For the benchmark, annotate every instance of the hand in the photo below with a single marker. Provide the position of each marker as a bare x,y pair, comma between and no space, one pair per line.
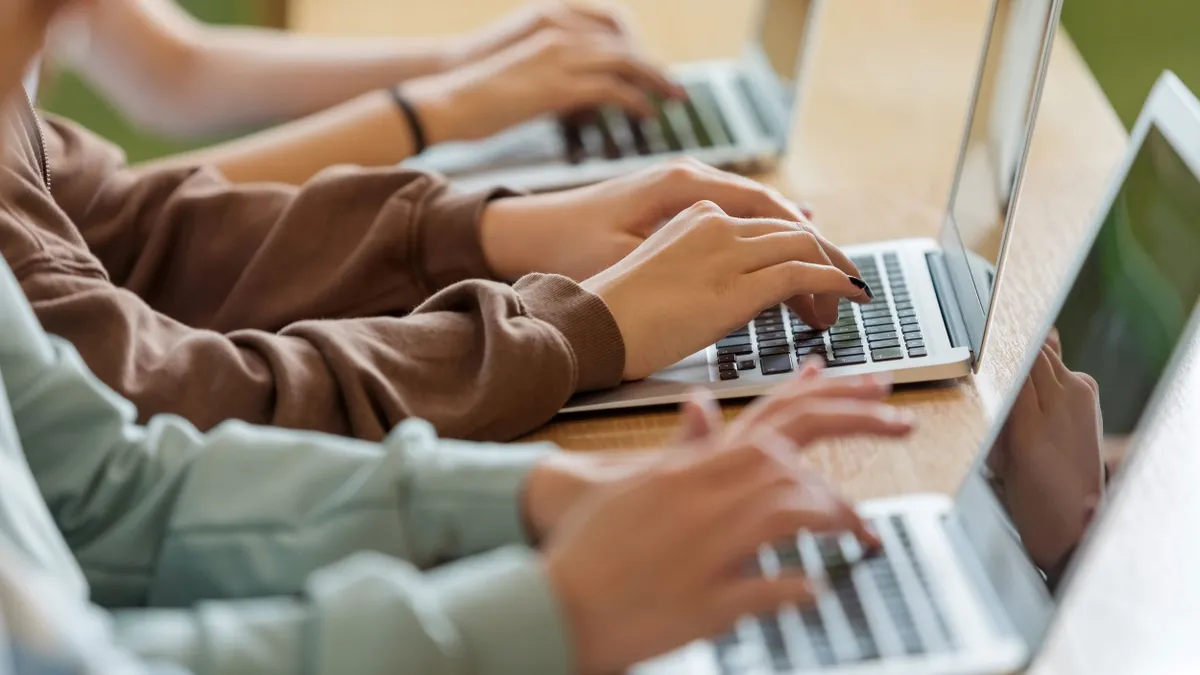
808,408
579,233
1049,466
552,73
533,19
657,560
705,273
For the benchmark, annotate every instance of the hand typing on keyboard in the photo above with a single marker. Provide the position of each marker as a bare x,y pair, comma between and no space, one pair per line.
706,272
580,233
648,554
552,71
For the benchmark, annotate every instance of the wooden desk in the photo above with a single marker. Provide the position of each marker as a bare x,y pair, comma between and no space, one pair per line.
878,136
877,140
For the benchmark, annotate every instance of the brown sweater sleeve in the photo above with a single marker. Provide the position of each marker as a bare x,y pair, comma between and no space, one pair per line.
478,359
350,243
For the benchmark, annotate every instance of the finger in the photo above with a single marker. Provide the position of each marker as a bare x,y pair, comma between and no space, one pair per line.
839,418
776,513
614,57
810,368
700,417
840,259
786,280
743,197
610,18
753,596
753,228
1055,341
1090,382
1050,369
789,242
1042,378
811,385
1027,406
593,91
825,305
804,308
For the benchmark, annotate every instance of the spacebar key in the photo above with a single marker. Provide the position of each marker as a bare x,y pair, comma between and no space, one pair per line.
776,364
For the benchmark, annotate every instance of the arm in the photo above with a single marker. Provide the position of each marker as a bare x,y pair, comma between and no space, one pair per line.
368,131
479,359
172,73
163,516
213,255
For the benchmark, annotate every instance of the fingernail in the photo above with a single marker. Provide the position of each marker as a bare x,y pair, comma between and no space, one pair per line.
807,213
862,285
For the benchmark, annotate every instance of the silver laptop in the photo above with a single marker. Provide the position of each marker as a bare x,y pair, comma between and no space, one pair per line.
737,117
971,585
932,297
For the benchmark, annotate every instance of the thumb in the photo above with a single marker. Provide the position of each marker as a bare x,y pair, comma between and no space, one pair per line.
700,417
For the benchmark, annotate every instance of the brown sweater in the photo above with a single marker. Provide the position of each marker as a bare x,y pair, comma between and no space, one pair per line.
342,306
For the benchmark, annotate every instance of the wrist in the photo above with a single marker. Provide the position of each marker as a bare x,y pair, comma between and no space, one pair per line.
553,486
504,238
433,101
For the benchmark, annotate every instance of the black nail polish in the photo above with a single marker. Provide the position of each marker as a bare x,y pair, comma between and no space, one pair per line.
863,285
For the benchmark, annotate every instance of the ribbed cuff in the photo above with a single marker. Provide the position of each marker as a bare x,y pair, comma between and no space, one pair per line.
506,613
451,248
585,322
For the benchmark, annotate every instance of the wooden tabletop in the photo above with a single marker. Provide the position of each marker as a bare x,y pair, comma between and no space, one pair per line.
878,133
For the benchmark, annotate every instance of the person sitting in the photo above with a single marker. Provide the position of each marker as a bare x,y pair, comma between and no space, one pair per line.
175,75
367,297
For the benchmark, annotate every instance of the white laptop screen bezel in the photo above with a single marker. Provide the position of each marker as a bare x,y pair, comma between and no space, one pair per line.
1175,113
976,318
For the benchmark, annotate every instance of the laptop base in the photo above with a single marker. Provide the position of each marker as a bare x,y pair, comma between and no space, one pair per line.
769,349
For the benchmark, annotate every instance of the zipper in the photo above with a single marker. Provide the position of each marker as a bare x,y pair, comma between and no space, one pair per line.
41,142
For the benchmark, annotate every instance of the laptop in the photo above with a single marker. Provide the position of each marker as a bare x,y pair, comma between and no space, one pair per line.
737,116
932,297
971,585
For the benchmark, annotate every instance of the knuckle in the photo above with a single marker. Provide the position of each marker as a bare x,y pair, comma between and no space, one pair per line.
555,39
679,170
795,273
806,240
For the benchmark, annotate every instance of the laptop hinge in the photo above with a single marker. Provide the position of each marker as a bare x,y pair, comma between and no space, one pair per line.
956,328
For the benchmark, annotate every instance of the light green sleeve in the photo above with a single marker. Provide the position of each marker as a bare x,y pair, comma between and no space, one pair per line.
241,550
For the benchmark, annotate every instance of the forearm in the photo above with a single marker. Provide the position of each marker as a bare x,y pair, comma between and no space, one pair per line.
367,131
166,515
173,73
370,615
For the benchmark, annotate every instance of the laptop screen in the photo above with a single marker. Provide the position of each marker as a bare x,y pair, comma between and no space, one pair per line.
993,154
1065,437
777,48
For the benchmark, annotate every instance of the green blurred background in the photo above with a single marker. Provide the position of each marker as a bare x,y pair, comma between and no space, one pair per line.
1127,43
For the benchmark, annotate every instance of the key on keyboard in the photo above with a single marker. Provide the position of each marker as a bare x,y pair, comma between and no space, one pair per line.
608,133
886,617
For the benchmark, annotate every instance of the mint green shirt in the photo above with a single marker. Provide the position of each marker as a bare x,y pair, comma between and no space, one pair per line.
262,551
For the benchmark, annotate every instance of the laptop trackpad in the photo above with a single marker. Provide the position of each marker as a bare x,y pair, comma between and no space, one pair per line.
535,143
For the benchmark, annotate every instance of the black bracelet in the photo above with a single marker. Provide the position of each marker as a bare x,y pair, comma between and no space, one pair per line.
414,121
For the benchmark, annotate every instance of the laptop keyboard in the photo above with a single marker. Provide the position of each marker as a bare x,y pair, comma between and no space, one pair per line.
887,329
871,607
691,124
